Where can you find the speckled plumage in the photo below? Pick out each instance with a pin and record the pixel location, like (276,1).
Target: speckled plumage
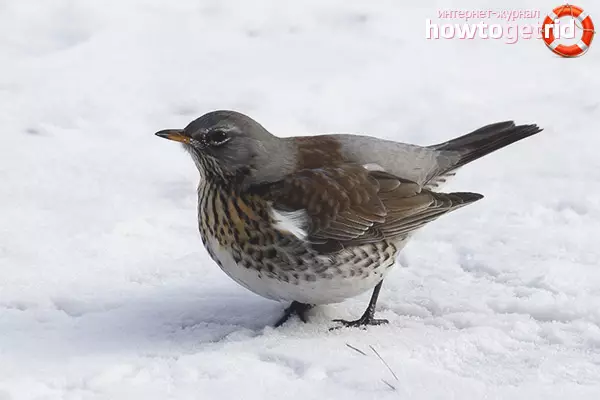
(239,234)
(316,220)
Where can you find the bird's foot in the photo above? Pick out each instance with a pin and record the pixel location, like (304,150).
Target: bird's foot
(362,322)
(296,308)
(368,317)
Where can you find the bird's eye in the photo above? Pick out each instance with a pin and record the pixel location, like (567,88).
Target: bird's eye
(216,138)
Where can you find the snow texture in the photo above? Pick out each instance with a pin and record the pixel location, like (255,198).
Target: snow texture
(107,293)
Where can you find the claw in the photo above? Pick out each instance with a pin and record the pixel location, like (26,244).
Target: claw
(362,322)
(296,308)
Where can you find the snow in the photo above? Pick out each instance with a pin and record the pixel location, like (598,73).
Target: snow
(107,293)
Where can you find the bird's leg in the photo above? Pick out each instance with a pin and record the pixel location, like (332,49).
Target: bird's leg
(367,317)
(295,308)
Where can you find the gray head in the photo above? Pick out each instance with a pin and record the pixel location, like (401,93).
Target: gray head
(230,146)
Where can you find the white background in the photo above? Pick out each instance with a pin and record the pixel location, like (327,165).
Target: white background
(107,293)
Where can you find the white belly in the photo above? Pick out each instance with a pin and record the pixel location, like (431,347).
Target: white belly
(320,291)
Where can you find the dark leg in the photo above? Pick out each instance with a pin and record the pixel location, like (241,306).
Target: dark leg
(367,317)
(295,308)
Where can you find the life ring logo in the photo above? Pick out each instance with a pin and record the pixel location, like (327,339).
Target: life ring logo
(583,22)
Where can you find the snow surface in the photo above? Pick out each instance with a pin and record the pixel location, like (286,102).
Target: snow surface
(107,293)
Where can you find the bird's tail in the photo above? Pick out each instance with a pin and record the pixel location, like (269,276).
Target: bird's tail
(485,140)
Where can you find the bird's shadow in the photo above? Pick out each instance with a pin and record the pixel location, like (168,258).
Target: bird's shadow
(158,320)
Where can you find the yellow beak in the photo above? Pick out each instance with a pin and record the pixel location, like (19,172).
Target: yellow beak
(173,134)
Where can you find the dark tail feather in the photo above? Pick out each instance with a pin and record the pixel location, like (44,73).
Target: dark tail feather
(486,140)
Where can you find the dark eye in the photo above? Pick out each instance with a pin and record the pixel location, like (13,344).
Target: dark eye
(216,138)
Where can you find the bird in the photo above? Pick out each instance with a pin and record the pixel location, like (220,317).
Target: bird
(314,220)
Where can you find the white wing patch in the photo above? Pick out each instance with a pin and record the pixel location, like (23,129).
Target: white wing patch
(293,222)
(373,167)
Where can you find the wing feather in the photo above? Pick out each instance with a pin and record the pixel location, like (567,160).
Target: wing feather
(349,205)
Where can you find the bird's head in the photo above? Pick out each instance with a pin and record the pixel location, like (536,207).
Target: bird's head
(230,147)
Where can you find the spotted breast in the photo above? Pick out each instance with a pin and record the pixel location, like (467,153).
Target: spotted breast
(259,249)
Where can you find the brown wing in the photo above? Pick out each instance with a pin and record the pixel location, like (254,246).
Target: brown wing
(348,205)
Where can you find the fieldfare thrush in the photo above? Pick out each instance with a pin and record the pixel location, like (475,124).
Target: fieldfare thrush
(319,219)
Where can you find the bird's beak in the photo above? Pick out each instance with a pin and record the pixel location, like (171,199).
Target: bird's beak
(173,134)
